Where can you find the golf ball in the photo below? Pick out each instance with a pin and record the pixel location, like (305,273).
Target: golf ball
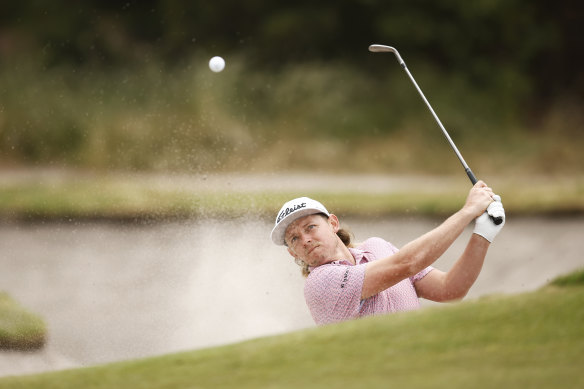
(217,64)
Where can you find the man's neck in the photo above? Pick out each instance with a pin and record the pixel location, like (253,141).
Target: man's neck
(343,253)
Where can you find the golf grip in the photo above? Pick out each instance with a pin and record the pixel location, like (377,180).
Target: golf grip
(496,220)
(473,179)
(470,175)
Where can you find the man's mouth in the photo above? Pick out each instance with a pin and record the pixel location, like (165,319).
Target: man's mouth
(312,249)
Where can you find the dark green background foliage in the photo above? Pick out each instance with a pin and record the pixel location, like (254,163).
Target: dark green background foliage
(540,38)
(124,84)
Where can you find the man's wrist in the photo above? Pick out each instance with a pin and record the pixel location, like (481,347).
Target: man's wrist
(467,214)
(480,238)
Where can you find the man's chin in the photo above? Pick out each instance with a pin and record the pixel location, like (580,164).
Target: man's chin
(315,262)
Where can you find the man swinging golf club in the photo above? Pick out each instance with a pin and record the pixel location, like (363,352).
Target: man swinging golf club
(346,281)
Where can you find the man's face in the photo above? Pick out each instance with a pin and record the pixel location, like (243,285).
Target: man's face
(313,239)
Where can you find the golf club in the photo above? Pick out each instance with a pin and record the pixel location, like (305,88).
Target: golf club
(469,173)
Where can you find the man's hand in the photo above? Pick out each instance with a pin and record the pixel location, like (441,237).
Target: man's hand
(479,198)
(484,225)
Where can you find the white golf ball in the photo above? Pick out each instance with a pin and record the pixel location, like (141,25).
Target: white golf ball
(217,64)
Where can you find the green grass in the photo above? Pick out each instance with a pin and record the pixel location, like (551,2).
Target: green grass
(573,279)
(530,340)
(19,329)
(125,198)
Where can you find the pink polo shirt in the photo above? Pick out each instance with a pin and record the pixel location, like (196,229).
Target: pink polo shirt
(333,291)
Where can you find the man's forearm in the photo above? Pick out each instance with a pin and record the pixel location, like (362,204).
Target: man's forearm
(465,271)
(425,250)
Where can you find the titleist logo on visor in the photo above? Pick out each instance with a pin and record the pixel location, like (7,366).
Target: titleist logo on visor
(288,211)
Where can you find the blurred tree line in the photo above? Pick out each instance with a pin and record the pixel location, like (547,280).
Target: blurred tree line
(125,84)
(538,38)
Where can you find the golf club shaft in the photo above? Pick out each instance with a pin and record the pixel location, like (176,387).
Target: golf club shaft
(382,48)
(469,173)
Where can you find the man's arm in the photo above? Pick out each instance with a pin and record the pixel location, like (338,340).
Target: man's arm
(422,252)
(415,256)
(455,284)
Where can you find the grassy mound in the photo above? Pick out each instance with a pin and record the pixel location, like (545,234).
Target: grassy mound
(127,197)
(573,279)
(531,340)
(19,329)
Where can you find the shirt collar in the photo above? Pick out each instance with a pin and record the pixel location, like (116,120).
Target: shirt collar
(360,257)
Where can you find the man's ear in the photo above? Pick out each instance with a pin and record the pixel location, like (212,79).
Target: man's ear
(333,220)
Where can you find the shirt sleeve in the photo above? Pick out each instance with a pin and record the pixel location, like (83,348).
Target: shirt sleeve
(333,292)
(421,274)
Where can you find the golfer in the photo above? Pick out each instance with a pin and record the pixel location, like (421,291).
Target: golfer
(347,281)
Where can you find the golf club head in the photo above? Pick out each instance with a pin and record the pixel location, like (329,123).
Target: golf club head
(387,49)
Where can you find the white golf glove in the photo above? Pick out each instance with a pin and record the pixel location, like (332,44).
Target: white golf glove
(484,225)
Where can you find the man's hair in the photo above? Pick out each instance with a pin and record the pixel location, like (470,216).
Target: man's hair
(344,234)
